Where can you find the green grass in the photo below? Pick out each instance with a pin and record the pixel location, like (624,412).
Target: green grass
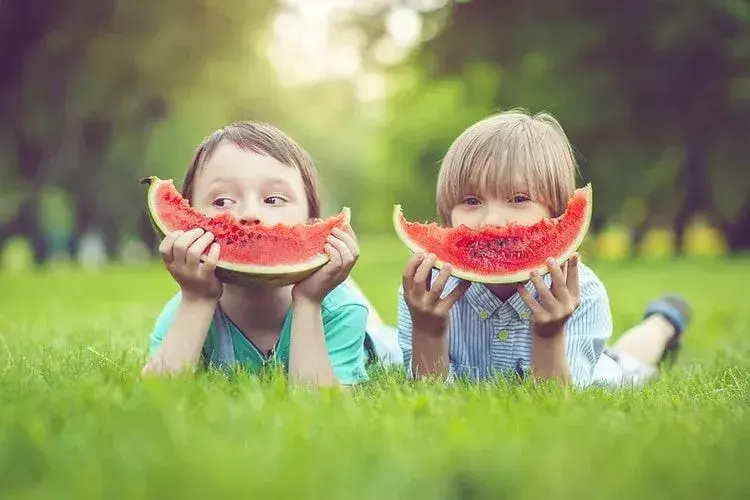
(76,421)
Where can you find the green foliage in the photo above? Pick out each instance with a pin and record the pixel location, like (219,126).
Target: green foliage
(424,117)
(653,95)
(650,94)
(95,82)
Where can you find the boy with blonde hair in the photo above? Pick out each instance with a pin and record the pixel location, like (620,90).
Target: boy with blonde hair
(515,167)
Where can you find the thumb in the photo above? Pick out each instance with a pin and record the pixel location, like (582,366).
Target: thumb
(447,302)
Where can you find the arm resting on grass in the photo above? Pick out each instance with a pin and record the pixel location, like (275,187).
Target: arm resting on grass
(309,363)
(186,333)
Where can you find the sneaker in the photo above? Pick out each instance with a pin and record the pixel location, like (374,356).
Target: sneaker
(676,310)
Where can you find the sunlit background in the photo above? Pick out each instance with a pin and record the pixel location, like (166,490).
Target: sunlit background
(654,95)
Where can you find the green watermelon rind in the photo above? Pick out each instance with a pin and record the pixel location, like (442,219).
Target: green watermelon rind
(519,276)
(242,274)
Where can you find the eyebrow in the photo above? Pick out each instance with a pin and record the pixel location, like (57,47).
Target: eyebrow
(268,181)
(220,180)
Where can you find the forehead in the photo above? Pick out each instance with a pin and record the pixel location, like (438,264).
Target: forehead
(493,176)
(230,162)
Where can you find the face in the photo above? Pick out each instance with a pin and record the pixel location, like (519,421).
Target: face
(478,211)
(255,189)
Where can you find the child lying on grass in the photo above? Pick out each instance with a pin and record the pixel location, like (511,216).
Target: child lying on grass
(260,175)
(517,167)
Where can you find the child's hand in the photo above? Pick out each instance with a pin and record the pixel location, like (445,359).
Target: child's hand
(343,249)
(181,252)
(429,312)
(558,302)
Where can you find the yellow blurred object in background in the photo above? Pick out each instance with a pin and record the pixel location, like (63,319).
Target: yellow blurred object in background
(17,255)
(703,239)
(614,243)
(657,243)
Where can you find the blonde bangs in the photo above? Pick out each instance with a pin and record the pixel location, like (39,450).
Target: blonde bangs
(505,154)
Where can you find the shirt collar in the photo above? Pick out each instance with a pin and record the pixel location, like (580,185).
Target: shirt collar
(485,303)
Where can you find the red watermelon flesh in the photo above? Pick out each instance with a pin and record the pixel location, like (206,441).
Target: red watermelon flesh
(280,253)
(506,254)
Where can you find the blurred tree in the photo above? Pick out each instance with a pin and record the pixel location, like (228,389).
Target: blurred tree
(41,43)
(82,85)
(655,95)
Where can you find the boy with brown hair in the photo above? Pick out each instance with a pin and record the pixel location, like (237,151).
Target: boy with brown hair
(315,328)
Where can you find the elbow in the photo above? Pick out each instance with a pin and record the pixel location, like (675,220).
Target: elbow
(152,367)
(157,367)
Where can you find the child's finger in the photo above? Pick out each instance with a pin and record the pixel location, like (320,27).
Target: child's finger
(335,256)
(182,244)
(350,231)
(411,267)
(194,253)
(530,302)
(558,280)
(424,272)
(437,287)
(209,265)
(348,239)
(542,289)
(344,252)
(445,305)
(573,278)
(166,246)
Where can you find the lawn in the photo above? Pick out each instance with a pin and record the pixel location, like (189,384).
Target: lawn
(76,421)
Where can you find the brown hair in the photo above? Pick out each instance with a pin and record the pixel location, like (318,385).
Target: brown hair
(263,139)
(492,155)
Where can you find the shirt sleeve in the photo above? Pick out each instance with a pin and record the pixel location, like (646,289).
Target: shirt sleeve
(161,326)
(405,336)
(587,332)
(345,339)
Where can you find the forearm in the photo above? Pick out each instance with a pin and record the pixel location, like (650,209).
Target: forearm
(185,338)
(429,354)
(548,360)
(309,363)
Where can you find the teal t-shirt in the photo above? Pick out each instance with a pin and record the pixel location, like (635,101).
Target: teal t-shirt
(344,322)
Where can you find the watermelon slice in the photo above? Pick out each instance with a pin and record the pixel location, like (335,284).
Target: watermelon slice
(279,254)
(501,254)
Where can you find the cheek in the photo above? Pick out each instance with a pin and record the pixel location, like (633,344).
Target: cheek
(291,213)
(461,215)
(206,209)
(532,214)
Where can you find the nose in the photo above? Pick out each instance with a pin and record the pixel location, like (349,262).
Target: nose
(249,215)
(494,216)
(494,220)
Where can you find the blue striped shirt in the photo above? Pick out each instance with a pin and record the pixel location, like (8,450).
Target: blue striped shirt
(489,337)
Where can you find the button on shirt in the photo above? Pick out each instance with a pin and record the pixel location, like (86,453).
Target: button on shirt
(489,337)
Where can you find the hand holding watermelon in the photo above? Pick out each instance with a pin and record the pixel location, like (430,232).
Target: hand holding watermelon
(558,302)
(429,312)
(343,250)
(181,252)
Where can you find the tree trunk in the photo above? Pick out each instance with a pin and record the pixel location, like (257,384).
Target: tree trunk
(694,183)
(738,232)
(26,224)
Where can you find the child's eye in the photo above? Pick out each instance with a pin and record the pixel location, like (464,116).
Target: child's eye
(520,198)
(274,200)
(223,202)
(472,200)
